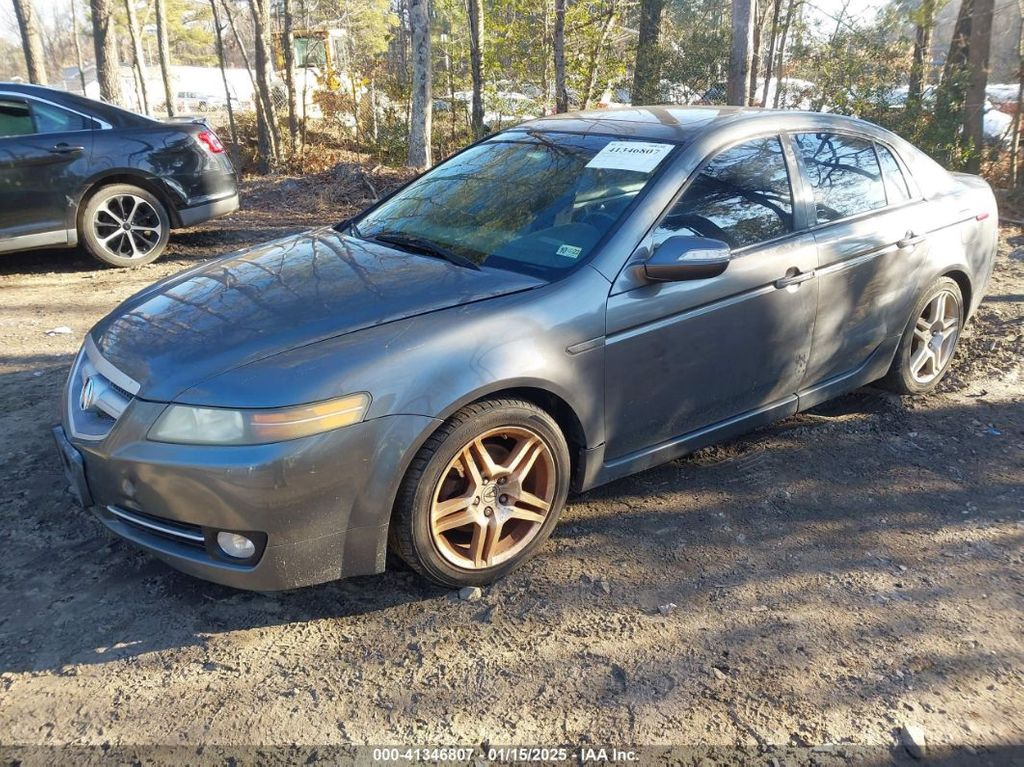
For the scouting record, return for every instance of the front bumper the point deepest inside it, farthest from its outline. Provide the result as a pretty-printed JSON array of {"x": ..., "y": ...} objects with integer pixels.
[{"x": 318, "y": 507}]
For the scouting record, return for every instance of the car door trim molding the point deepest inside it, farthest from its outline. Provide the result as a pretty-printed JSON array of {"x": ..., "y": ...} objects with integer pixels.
[{"x": 56, "y": 237}]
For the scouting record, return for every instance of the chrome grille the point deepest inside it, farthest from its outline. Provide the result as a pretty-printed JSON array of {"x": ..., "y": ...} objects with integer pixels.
[{"x": 97, "y": 394}]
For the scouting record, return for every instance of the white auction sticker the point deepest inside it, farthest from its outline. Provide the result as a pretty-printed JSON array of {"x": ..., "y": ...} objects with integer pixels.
[{"x": 641, "y": 156}]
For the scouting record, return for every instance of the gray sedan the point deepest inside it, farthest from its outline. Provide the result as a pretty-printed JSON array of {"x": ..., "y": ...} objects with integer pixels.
[{"x": 557, "y": 306}]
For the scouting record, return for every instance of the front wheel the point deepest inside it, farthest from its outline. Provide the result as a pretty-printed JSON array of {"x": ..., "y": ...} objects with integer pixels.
[
  {"x": 483, "y": 494},
  {"x": 928, "y": 342},
  {"x": 124, "y": 225}
]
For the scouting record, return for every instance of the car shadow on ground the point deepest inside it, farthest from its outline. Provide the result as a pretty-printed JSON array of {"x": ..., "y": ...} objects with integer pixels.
[{"x": 701, "y": 527}]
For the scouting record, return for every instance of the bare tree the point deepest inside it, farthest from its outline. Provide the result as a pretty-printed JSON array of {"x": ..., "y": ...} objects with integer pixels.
[
  {"x": 558, "y": 46},
  {"x": 289, "y": 73},
  {"x": 978, "y": 61},
  {"x": 925, "y": 22},
  {"x": 104, "y": 37},
  {"x": 594, "y": 63},
  {"x": 76, "y": 36},
  {"x": 422, "y": 95},
  {"x": 647, "y": 70},
  {"x": 137, "y": 55},
  {"x": 31, "y": 41},
  {"x": 165, "y": 56},
  {"x": 475, "y": 12},
  {"x": 741, "y": 52},
  {"x": 269, "y": 136},
  {"x": 1015, "y": 145},
  {"x": 781, "y": 66},
  {"x": 218, "y": 31},
  {"x": 769, "y": 60}
]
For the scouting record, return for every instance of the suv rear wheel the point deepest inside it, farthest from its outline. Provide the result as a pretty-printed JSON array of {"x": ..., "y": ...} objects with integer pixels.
[{"x": 124, "y": 225}]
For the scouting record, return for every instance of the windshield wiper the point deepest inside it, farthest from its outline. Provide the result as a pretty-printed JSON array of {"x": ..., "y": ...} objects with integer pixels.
[{"x": 423, "y": 247}]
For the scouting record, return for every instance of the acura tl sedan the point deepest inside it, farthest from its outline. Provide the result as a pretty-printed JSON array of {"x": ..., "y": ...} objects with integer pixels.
[
  {"x": 561, "y": 304},
  {"x": 74, "y": 171}
]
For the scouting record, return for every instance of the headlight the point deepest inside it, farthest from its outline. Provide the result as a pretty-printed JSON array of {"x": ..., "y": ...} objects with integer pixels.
[{"x": 190, "y": 425}]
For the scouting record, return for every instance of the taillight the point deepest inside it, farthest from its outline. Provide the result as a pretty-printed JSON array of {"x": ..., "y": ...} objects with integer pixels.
[{"x": 209, "y": 140}]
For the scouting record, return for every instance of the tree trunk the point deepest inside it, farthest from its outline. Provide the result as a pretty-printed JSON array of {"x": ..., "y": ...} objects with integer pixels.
[
  {"x": 31, "y": 41},
  {"x": 421, "y": 108},
  {"x": 78, "y": 44},
  {"x": 140, "y": 64},
  {"x": 781, "y": 67},
  {"x": 949, "y": 100},
  {"x": 218, "y": 31},
  {"x": 974, "y": 117},
  {"x": 594, "y": 65},
  {"x": 922, "y": 54},
  {"x": 165, "y": 56},
  {"x": 475, "y": 14},
  {"x": 269, "y": 137},
  {"x": 289, "y": 73},
  {"x": 755, "y": 56},
  {"x": 741, "y": 51},
  {"x": 558, "y": 48},
  {"x": 104, "y": 37},
  {"x": 647, "y": 71},
  {"x": 1015, "y": 146},
  {"x": 770, "y": 58}
]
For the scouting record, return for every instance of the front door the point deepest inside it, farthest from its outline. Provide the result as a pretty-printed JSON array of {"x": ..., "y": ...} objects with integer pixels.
[
  {"x": 684, "y": 356},
  {"x": 43, "y": 156}
]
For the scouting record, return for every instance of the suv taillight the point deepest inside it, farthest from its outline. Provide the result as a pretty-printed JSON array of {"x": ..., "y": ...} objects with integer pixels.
[{"x": 209, "y": 140}]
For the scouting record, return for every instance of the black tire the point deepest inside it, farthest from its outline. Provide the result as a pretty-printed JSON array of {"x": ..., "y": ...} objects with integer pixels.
[
  {"x": 98, "y": 228},
  {"x": 410, "y": 532},
  {"x": 900, "y": 378}
]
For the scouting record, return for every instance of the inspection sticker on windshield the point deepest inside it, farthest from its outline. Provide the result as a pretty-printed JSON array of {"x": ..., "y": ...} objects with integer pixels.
[
  {"x": 641, "y": 156},
  {"x": 569, "y": 251}
]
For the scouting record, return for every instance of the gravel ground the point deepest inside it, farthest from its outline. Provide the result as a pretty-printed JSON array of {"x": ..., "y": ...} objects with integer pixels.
[{"x": 828, "y": 580}]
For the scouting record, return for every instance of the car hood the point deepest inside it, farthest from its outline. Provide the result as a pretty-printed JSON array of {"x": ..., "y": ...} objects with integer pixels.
[{"x": 276, "y": 297}]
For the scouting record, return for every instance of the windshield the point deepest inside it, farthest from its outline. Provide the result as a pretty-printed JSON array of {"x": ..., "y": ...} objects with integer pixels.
[{"x": 530, "y": 202}]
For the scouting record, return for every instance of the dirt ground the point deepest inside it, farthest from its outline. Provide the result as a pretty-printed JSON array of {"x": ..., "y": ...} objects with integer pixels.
[{"x": 819, "y": 583}]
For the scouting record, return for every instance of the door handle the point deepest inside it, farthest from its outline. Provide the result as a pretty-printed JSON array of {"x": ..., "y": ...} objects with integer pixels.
[
  {"x": 63, "y": 148},
  {"x": 909, "y": 240},
  {"x": 793, "y": 277}
]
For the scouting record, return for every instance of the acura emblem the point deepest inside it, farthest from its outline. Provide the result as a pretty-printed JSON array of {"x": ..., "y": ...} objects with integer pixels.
[{"x": 88, "y": 397}]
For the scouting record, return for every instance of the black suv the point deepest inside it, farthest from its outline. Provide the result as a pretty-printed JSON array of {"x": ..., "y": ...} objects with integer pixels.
[{"x": 77, "y": 171}]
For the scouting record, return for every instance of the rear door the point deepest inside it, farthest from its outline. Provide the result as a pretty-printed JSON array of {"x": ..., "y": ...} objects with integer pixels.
[
  {"x": 44, "y": 155},
  {"x": 870, "y": 234}
]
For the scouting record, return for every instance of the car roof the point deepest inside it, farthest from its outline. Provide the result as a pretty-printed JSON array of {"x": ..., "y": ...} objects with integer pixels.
[
  {"x": 684, "y": 123},
  {"x": 108, "y": 113}
]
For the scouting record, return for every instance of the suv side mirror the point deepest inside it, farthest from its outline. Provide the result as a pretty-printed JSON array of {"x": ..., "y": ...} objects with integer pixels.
[{"x": 687, "y": 258}]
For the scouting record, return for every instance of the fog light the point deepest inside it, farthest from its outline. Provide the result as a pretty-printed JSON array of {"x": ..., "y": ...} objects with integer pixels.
[{"x": 235, "y": 545}]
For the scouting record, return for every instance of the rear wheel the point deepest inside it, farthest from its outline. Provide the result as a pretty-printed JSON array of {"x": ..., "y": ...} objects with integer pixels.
[
  {"x": 929, "y": 341},
  {"x": 483, "y": 494},
  {"x": 124, "y": 225}
]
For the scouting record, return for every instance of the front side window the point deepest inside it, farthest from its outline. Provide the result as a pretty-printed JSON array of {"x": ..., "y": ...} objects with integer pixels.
[
  {"x": 844, "y": 174},
  {"x": 534, "y": 202},
  {"x": 15, "y": 118},
  {"x": 741, "y": 197}
]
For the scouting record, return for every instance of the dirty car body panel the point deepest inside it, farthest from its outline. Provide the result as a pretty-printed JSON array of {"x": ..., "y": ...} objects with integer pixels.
[{"x": 635, "y": 371}]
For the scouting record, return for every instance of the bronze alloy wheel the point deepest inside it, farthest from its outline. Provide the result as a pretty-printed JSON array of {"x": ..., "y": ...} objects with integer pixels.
[{"x": 493, "y": 498}]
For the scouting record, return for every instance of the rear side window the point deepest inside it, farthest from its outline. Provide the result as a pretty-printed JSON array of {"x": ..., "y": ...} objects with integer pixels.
[
  {"x": 896, "y": 188},
  {"x": 742, "y": 197},
  {"x": 844, "y": 174},
  {"x": 15, "y": 118},
  {"x": 52, "y": 119}
]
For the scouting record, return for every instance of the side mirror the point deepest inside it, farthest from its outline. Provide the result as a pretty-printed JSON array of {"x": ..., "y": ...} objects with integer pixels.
[{"x": 687, "y": 258}]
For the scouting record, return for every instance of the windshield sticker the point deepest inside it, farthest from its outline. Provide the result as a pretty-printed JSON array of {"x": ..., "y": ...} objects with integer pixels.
[
  {"x": 641, "y": 156},
  {"x": 569, "y": 251}
]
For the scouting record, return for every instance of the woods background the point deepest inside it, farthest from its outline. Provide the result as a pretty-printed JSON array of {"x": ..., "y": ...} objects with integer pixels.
[{"x": 293, "y": 82}]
